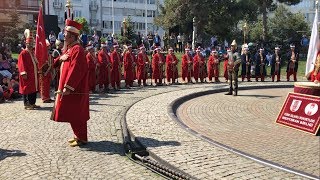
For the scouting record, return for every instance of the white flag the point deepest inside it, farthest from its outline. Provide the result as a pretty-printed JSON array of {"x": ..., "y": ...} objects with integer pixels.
[{"x": 312, "y": 51}]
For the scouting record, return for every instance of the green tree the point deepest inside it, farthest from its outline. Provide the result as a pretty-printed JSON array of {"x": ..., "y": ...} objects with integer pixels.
[
  {"x": 266, "y": 6},
  {"x": 11, "y": 30},
  {"x": 219, "y": 17},
  {"x": 84, "y": 23},
  {"x": 128, "y": 37},
  {"x": 285, "y": 26}
]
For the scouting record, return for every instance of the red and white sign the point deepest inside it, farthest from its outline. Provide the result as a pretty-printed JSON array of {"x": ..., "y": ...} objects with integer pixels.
[{"x": 301, "y": 111}]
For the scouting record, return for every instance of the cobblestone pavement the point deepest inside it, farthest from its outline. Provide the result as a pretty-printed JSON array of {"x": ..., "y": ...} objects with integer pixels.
[
  {"x": 33, "y": 147},
  {"x": 151, "y": 124},
  {"x": 247, "y": 123}
]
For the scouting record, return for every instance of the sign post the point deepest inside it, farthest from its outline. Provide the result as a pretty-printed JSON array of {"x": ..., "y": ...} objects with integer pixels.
[{"x": 302, "y": 112}]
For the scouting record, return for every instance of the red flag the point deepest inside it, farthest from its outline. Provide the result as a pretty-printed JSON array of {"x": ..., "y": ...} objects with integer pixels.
[{"x": 41, "y": 51}]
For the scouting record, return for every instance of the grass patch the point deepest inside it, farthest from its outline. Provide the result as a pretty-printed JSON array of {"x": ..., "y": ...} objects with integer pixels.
[{"x": 15, "y": 55}]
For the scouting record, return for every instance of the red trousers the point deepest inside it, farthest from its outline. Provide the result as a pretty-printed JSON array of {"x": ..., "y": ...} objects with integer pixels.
[
  {"x": 80, "y": 130},
  {"x": 45, "y": 87},
  {"x": 292, "y": 73},
  {"x": 115, "y": 78}
]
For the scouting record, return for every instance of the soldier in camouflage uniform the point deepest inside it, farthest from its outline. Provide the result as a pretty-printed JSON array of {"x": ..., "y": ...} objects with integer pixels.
[{"x": 234, "y": 62}]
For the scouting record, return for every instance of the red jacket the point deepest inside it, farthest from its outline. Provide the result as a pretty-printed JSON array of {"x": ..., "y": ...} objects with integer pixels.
[
  {"x": 27, "y": 64},
  {"x": 74, "y": 76}
]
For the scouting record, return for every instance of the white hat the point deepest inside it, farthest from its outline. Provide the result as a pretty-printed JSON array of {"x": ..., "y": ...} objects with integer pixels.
[
  {"x": 277, "y": 48},
  {"x": 103, "y": 45},
  {"x": 89, "y": 47},
  {"x": 170, "y": 49},
  {"x": 292, "y": 46},
  {"x": 187, "y": 49}
]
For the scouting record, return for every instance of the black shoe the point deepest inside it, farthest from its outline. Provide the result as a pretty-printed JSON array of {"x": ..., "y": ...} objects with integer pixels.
[{"x": 229, "y": 93}]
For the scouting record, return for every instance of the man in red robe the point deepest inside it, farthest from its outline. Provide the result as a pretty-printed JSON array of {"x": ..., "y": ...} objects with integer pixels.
[
  {"x": 142, "y": 66},
  {"x": 116, "y": 68},
  {"x": 171, "y": 67},
  {"x": 129, "y": 63},
  {"x": 225, "y": 65},
  {"x": 213, "y": 66},
  {"x": 186, "y": 66},
  {"x": 46, "y": 77},
  {"x": 315, "y": 74},
  {"x": 92, "y": 64},
  {"x": 157, "y": 65},
  {"x": 28, "y": 73},
  {"x": 72, "y": 100},
  {"x": 104, "y": 66},
  {"x": 198, "y": 66}
]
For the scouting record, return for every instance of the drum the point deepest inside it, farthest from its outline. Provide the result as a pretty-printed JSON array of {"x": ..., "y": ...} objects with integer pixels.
[{"x": 309, "y": 88}]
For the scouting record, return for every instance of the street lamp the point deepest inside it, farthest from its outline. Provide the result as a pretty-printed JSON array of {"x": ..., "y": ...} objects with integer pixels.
[{"x": 245, "y": 32}]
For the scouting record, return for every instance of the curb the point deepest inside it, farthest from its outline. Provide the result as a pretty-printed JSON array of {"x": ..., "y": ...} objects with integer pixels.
[{"x": 173, "y": 107}]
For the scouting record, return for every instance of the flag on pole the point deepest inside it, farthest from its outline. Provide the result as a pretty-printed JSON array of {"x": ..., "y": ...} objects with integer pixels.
[
  {"x": 41, "y": 51},
  {"x": 312, "y": 51}
]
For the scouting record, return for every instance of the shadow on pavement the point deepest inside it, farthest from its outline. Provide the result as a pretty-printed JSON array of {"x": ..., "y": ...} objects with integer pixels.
[
  {"x": 4, "y": 153},
  {"x": 258, "y": 96},
  {"x": 108, "y": 147},
  {"x": 149, "y": 142}
]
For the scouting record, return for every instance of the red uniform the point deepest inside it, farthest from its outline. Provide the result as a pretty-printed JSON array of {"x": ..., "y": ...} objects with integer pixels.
[
  {"x": 213, "y": 68},
  {"x": 45, "y": 81},
  {"x": 129, "y": 68},
  {"x": 171, "y": 67},
  {"x": 315, "y": 74},
  {"x": 74, "y": 108},
  {"x": 198, "y": 67},
  {"x": 142, "y": 67},
  {"x": 225, "y": 67},
  {"x": 104, "y": 63},
  {"x": 116, "y": 69},
  {"x": 187, "y": 71},
  {"x": 27, "y": 64},
  {"x": 91, "y": 61},
  {"x": 157, "y": 64}
]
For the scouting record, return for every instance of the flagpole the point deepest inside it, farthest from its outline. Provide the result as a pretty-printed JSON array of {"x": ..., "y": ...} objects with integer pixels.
[
  {"x": 112, "y": 9},
  {"x": 313, "y": 45}
]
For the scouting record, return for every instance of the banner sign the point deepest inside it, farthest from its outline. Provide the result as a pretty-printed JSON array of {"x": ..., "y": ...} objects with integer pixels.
[{"x": 301, "y": 112}]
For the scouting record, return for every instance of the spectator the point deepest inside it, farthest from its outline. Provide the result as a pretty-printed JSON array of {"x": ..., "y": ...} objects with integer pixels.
[
  {"x": 150, "y": 40},
  {"x": 52, "y": 38},
  {"x": 84, "y": 39},
  {"x": 172, "y": 40},
  {"x": 61, "y": 35},
  {"x": 139, "y": 39},
  {"x": 2, "y": 100},
  {"x": 95, "y": 38}
]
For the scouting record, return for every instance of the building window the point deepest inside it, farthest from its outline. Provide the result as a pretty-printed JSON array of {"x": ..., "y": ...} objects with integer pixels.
[
  {"x": 107, "y": 24},
  {"x": 139, "y": 12},
  {"x": 77, "y": 13},
  {"x": 107, "y": 11},
  {"x": 151, "y": 13},
  {"x": 118, "y": 11},
  {"x": 151, "y": 1}
]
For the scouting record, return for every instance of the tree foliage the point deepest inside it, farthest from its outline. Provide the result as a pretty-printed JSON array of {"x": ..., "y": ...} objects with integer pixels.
[
  {"x": 217, "y": 17},
  {"x": 11, "y": 31},
  {"x": 84, "y": 23},
  {"x": 284, "y": 26}
]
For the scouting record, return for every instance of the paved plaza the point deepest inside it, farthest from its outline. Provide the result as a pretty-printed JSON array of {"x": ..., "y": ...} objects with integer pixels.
[{"x": 33, "y": 147}]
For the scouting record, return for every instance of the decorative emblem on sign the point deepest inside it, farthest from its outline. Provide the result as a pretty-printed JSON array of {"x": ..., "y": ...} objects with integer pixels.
[
  {"x": 311, "y": 109},
  {"x": 295, "y": 105}
]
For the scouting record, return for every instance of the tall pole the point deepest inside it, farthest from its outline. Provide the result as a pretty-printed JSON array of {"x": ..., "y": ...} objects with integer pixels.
[
  {"x": 112, "y": 9},
  {"x": 194, "y": 34},
  {"x": 146, "y": 15}
]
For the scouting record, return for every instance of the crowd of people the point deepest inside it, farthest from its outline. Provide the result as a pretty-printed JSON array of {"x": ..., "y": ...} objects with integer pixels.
[{"x": 9, "y": 79}]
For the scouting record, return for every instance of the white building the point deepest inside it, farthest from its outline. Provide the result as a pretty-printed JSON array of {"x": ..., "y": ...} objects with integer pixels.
[
  {"x": 99, "y": 13},
  {"x": 307, "y": 8}
]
